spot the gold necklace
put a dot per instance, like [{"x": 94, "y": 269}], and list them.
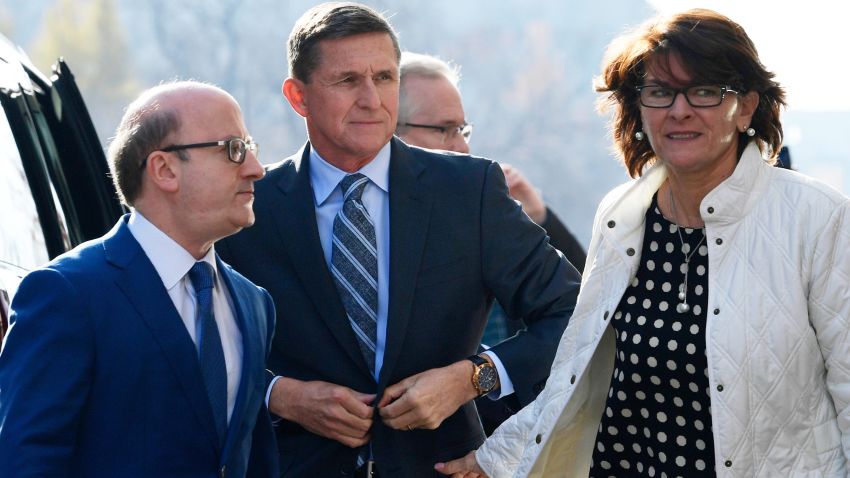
[{"x": 683, "y": 306}]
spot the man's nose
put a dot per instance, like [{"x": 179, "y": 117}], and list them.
[
  {"x": 368, "y": 95},
  {"x": 457, "y": 144},
  {"x": 251, "y": 167}
]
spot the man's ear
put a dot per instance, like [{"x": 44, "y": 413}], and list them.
[
  {"x": 293, "y": 90},
  {"x": 163, "y": 171}
]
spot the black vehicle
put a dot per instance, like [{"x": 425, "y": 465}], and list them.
[{"x": 55, "y": 190}]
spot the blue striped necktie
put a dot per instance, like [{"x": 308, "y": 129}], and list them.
[
  {"x": 210, "y": 351},
  {"x": 354, "y": 265}
]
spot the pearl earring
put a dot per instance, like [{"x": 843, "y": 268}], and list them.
[
  {"x": 751, "y": 132},
  {"x": 639, "y": 136}
]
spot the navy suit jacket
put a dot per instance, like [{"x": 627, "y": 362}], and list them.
[
  {"x": 100, "y": 378},
  {"x": 457, "y": 240}
]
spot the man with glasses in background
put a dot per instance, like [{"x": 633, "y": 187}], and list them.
[
  {"x": 141, "y": 353},
  {"x": 431, "y": 115}
]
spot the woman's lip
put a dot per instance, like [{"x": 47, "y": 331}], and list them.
[{"x": 682, "y": 135}]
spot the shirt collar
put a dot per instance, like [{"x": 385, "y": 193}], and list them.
[
  {"x": 170, "y": 260},
  {"x": 324, "y": 177}
]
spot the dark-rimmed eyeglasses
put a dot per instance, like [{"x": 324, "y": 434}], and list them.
[
  {"x": 698, "y": 96},
  {"x": 236, "y": 148},
  {"x": 449, "y": 132}
]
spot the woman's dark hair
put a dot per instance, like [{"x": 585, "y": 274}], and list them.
[{"x": 712, "y": 49}]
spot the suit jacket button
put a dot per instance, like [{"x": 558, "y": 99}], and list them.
[
  {"x": 538, "y": 438},
  {"x": 611, "y": 224},
  {"x": 572, "y": 379},
  {"x": 630, "y": 252},
  {"x": 728, "y": 463}
]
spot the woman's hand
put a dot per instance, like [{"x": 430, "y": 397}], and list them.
[{"x": 466, "y": 467}]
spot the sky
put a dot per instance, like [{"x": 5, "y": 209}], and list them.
[{"x": 803, "y": 42}]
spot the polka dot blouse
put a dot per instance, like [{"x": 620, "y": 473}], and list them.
[{"x": 657, "y": 418}]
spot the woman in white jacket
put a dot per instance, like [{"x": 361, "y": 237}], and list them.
[{"x": 712, "y": 332}]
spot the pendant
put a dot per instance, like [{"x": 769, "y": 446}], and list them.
[{"x": 683, "y": 308}]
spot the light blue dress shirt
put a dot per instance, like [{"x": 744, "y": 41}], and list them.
[{"x": 325, "y": 178}]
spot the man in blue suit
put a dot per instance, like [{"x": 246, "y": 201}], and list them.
[{"x": 141, "y": 353}]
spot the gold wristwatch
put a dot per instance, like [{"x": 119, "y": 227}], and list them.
[{"x": 484, "y": 375}]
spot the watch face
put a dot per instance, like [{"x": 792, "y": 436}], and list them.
[{"x": 487, "y": 378}]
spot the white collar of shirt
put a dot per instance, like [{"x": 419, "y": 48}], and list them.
[
  {"x": 324, "y": 177},
  {"x": 171, "y": 261}
]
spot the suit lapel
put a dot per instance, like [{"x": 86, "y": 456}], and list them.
[
  {"x": 410, "y": 212},
  {"x": 252, "y": 353},
  {"x": 144, "y": 290},
  {"x": 300, "y": 234}
]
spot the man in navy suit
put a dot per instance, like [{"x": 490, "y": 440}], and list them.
[
  {"x": 141, "y": 353},
  {"x": 383, "y": 261}
]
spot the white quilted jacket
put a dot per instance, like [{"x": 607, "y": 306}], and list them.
[{"x": 777, "y": 334}]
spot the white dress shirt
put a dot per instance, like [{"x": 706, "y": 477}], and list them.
[{"x": 172, "y": 262}]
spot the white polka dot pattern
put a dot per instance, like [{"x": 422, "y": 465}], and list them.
[{"x": 657, "y": 420}]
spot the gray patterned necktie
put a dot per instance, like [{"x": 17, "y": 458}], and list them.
[{"x": 354, "y": 265}]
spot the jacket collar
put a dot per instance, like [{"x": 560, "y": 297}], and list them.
[
  {"x": 623, "y": 210},
  {"x": 735, "y": 197}
]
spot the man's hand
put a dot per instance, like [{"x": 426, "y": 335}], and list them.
[
  {"x": 426, "y": 399},
  {"x": 525, "y": 192},
  {"x": 466, "y": 467},
  {"x": 329, "y": 410}
]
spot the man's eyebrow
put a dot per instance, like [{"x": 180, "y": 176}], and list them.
[{"x": 345, "y": 73}]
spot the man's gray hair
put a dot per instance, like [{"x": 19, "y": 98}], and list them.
[
  {"x": 328, "y": 21},
  {"x": 427, "y": 66}
]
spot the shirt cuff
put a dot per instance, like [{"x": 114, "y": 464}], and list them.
[
  {"x": 275, "y": 419},
  {"x": 269, "y": 390},
  {"x": 506, "y": 387}
]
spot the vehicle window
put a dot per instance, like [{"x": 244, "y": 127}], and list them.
[{"x": 22, "y": 240}]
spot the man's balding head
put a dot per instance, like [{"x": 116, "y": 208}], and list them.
[{"x": 148, "y": 123}]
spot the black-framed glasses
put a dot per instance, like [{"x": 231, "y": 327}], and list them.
[
  {"x": 698, "y": 96},
  {"x": 449, "y": 132},
  {"x": 236, "y": 147}
]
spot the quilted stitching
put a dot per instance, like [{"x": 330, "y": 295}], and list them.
[{"x": 780, "y": 344}]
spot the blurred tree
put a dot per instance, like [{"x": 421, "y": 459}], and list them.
[
  {"x": 238, "y": 45},
  {"x": 90, "y": 37}
]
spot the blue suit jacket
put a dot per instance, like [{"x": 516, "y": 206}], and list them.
[{"x": 99, "y": 376}]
